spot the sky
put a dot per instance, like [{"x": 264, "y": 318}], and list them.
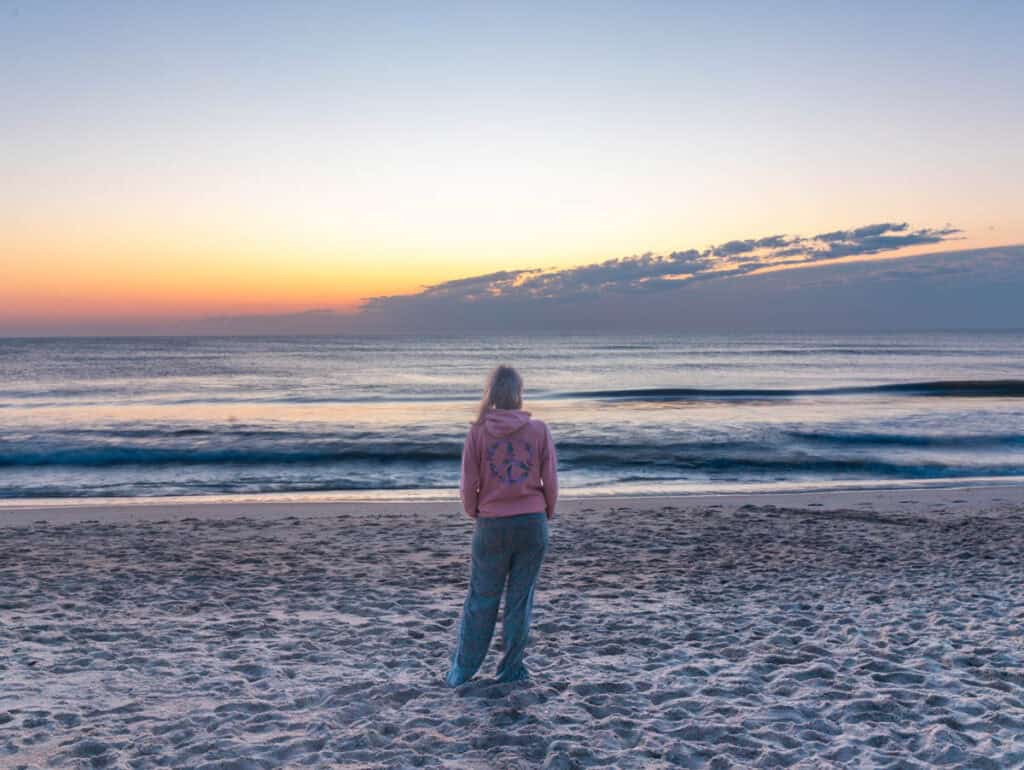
[{"x": 167, "y": 166}]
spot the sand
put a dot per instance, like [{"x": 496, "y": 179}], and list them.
[{"x": 860, "y": 629}]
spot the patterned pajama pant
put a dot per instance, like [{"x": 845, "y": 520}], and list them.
[{"x": 507, "y": 549}]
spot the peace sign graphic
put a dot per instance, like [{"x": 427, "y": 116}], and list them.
[{"x": 510, "y": 460}]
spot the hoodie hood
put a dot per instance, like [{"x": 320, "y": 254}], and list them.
[{"x": 502, "y": 422}]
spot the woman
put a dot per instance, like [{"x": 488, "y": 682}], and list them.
[{"x": 510, "y": 486}]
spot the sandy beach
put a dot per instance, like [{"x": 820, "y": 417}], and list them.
[{"x": 853, "y": 629}]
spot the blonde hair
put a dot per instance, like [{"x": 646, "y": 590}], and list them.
[{"x": 504, "y": 390}]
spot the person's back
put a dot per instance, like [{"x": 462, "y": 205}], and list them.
[
  {"x": 508, "y": 466},
  {"x": 510, "y": 487}
]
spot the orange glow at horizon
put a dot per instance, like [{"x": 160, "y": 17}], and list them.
[
  {"x": 57, "y": 280},
  {"x": 111, "y": 282}
]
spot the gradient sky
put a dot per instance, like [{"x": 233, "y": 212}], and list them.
[{"x": 182, "y": 160}]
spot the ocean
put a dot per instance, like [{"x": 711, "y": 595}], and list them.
[{"x": 384, "y": 417}]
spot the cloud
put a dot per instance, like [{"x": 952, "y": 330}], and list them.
[
  {"x": 315, "y": 321},
  {"x": 717, "y": 289},
  {"x": 732, "y": 248},
  {"x": 479, "y": 285},
  {"x": 967, "y": 289},
  {"x": 645, "y": 273}
]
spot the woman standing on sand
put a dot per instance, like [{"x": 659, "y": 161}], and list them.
[{"x": 510, "y": 486}]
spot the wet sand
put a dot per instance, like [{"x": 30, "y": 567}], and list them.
[{"x": 856, "y": 629}]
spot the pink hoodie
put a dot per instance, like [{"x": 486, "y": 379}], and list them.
[{"x": 509, "y": 466}]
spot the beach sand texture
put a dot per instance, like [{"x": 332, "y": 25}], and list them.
[{"x": 856, "y": 630}]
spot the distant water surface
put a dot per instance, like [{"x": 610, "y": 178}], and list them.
[{"x": 344, "y": 417}]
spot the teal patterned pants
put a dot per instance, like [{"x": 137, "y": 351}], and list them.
[{"x": 505, "y": 549}]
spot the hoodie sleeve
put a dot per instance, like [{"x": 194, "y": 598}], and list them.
[
  {"x": 549, "y": 473},
  {"x": 469, "y": 486}
]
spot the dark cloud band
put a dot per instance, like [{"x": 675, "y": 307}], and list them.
[{"x": 651, "y": 272}]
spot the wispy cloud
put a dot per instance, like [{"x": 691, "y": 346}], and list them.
[{"x": 651, "y": 272}]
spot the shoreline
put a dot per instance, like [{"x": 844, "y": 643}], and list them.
[{"x": 907, "y": 500}]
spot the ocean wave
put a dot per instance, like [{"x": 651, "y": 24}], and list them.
[
  {"x": 946, "y": 441},
  {"x": 792, "y": 452},
  {"x": 128, "y": 455},
  {"x": 938, "y": 388},
  {"x": 782, "y": 465},
  {"x": 193, "y": 488}
]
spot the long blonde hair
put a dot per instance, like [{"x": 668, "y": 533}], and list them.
[{"x": 504, "y": 390}]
